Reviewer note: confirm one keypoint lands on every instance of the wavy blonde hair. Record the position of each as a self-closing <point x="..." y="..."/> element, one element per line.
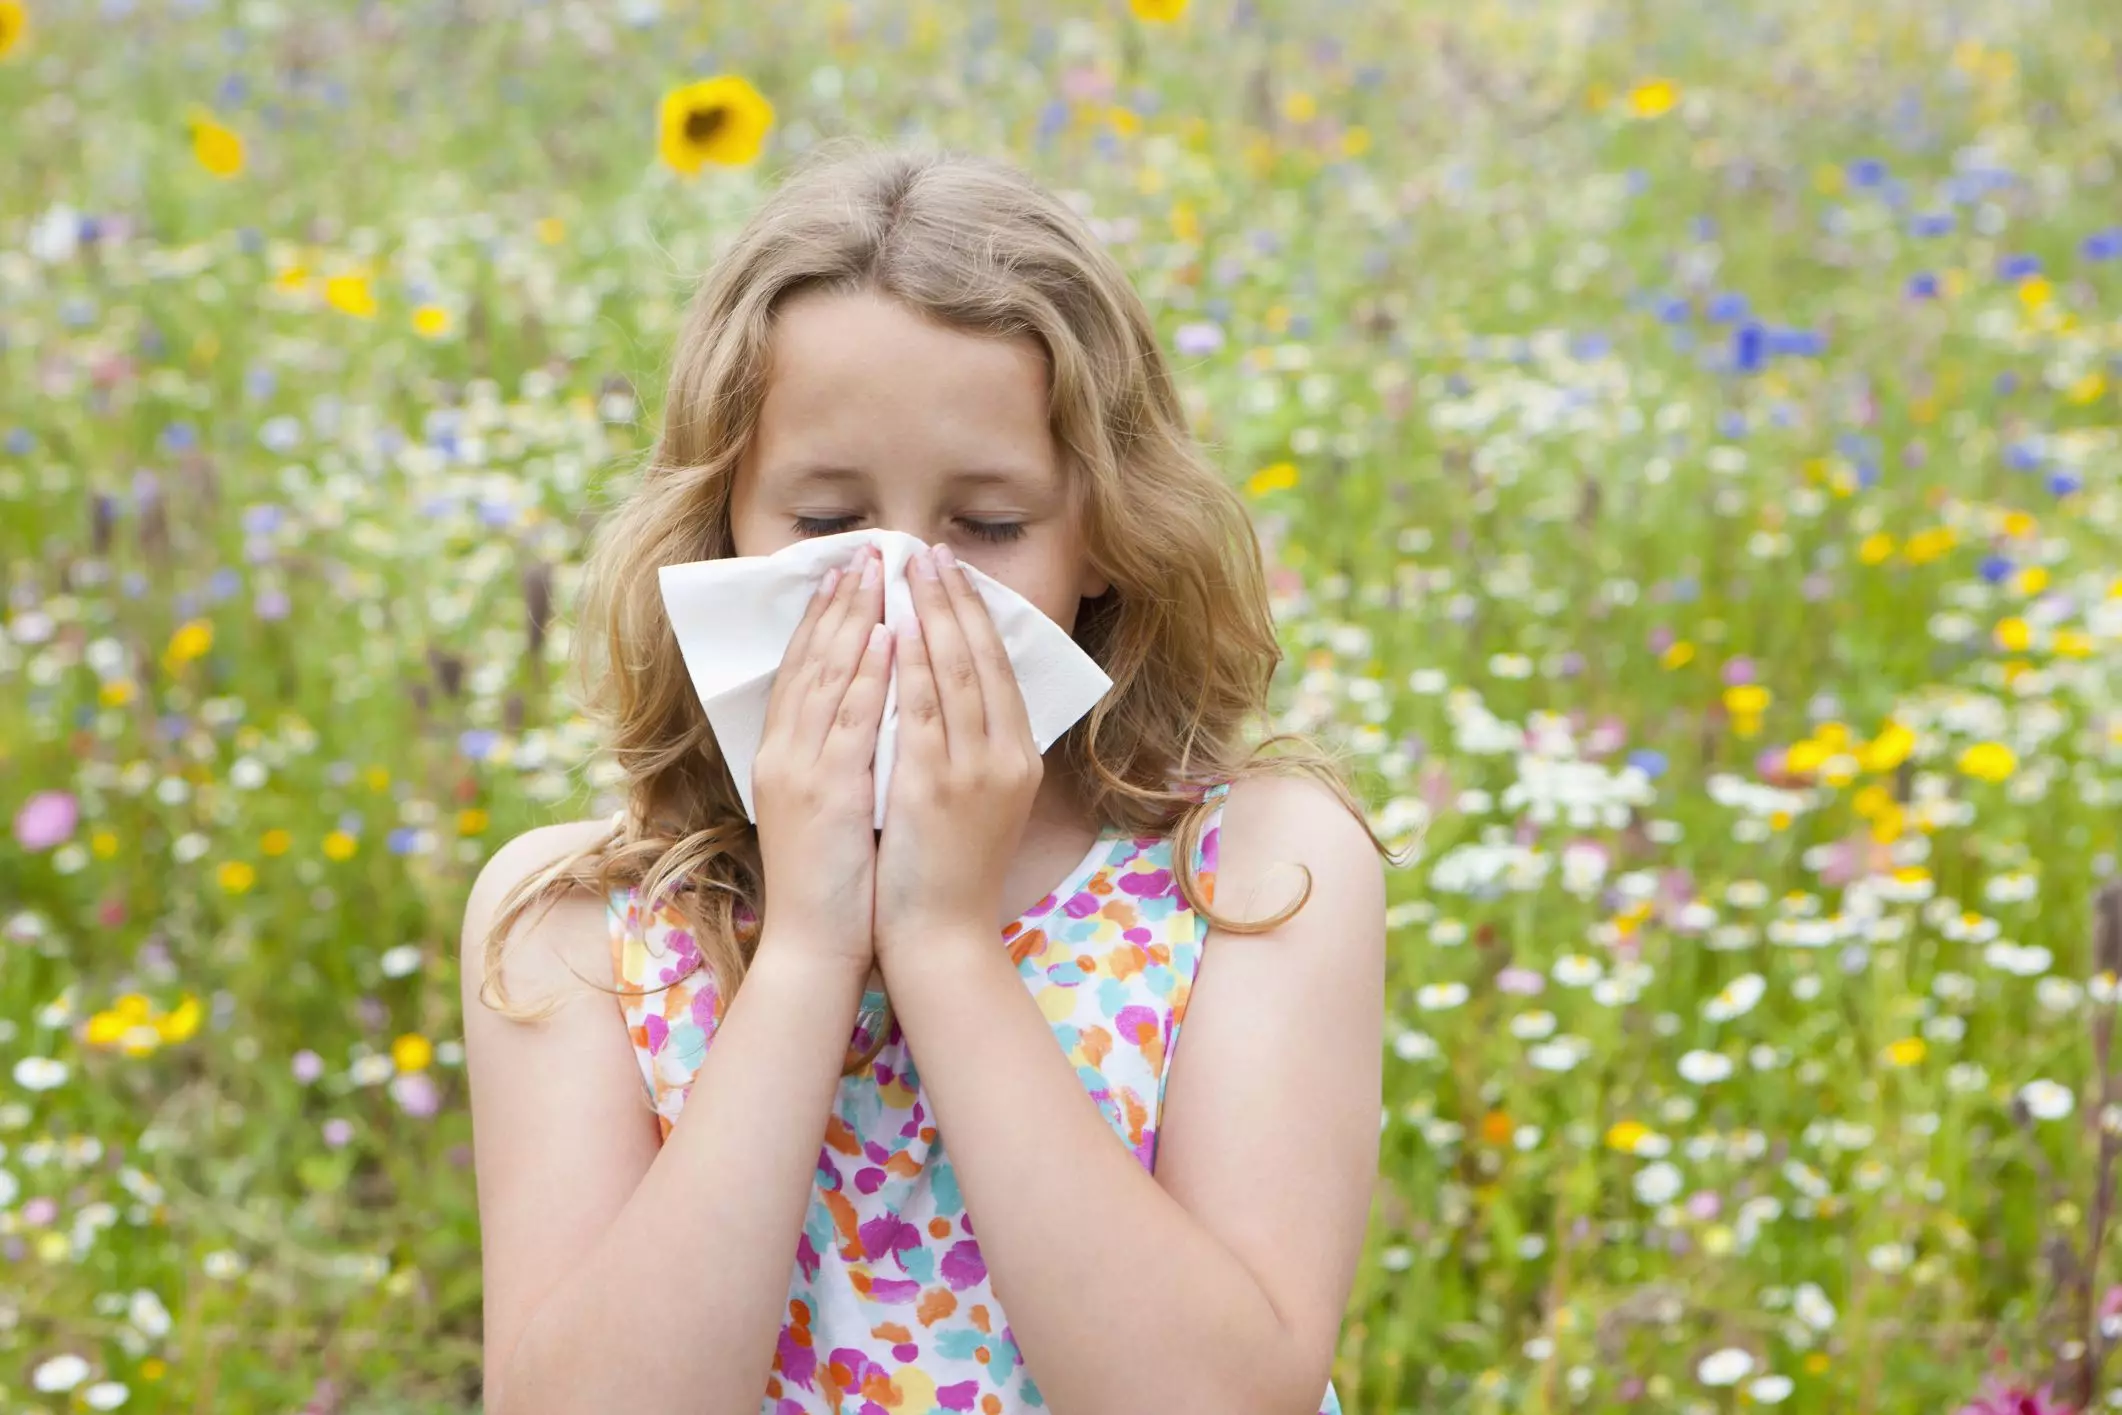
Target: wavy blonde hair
<point x="1184" y="632"/>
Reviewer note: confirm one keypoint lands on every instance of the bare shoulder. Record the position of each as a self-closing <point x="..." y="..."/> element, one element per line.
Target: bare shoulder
<point x="1275" y="829"/>
<point x="553" y="944"/>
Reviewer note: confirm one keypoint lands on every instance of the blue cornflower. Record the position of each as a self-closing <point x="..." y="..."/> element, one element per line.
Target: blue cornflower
<point x="1648" y="760"/>
<point x="1923" y="286"/>
<point x="1749" y="348"/>
<point x="1996" y="569"/>
<point x="1933" y="223"/>
<point x="1727" y="306"/>
<point x="2018" y="267"/>
<point x="1867" y="172"/>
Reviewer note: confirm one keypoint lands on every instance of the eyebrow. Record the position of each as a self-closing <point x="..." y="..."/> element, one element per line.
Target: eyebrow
<point x="834" y="473"/>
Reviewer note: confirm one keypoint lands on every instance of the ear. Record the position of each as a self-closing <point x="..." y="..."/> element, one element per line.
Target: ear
<point x="1092" y="584"/>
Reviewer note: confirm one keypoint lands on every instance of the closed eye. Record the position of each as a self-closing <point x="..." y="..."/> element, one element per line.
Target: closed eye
<point x="994" y="532"/>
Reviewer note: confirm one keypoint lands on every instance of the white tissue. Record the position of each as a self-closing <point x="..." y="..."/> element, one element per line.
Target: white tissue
<point x="734" y="618"/>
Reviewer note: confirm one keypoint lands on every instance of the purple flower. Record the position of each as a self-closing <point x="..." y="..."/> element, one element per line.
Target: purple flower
<point x="338" y="1131"/>
<point x="2003" y="1398"/>
<point x="1198" y="338"/>
<point x="415" y="1093"/>
<point x="1524" y="982"/>
<point x="308" y="1066"/>
<point x="46" y="819"/>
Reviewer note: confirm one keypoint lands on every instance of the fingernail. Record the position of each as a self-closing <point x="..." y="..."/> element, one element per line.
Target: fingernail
<point x="825" y="586"/>
<point x="869" y="572"/>
<point x="924" y="564"/>
<point x="879" y="636"/>
<point x="944" y="559"/>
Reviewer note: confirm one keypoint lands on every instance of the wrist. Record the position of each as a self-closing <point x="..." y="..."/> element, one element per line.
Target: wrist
<point x="942" y="950"/>
<point x="811" y="960"/>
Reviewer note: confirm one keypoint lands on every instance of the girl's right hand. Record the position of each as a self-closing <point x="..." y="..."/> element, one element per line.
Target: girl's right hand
<point x="812" y="786"/>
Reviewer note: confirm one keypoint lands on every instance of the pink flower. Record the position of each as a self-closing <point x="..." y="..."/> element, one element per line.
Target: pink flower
<point x="46" y="819"/>
<point x="1522" y="981"/>
<point x="2002" y="1398"/>
<point x="415" y="1093"/>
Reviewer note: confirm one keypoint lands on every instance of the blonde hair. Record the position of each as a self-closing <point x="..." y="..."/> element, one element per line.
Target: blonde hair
<point x="1184" y="632"/>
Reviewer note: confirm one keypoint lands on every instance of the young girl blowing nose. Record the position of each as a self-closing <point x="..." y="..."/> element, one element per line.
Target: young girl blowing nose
<point x="899" y="1120"/>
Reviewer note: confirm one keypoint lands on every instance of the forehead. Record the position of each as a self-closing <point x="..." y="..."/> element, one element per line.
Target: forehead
<point x="859" y="381"/>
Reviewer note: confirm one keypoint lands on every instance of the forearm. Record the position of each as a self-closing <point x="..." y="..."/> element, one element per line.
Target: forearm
<point x="708" y="1240"/>
<point x="1179" y="1323"/>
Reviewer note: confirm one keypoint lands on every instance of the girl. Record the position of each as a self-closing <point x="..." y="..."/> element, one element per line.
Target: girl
<point x="1027" y="1194"/>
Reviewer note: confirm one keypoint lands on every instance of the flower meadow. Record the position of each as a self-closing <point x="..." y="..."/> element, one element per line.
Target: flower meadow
<point x="1687" y="441"/>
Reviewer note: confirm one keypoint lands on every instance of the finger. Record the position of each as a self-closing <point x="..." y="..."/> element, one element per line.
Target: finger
<point x="1007" y="715"/>
<point x="797" y="654"/>
<point x="950" y="662"/>
<point x="923" y="735"/>
<point x="839" y="656"/>
<point x="851" y="740"/>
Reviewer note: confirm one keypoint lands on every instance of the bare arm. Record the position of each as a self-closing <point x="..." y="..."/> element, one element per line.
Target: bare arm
<point x="1220" y="1282"/>
<point x="586" y="1226"/>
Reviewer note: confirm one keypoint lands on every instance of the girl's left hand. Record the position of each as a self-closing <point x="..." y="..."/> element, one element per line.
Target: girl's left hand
<point x="967" y="769"/>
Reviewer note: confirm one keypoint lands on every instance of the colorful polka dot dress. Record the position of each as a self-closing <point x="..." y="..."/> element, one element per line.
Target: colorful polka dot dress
<point x="890" y="1311"/>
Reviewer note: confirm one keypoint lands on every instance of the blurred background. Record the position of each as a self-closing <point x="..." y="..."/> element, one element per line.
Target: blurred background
<point x="1686" y="441"/>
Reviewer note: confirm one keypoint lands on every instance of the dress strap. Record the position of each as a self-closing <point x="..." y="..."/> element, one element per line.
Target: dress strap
<point x="1206" y="845"/>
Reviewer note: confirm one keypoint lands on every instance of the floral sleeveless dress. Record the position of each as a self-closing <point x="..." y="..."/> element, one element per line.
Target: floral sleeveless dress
<point x="890" y="1308"/>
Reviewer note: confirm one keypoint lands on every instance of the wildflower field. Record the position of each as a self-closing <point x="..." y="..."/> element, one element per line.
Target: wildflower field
<point x="1688" y="443"/>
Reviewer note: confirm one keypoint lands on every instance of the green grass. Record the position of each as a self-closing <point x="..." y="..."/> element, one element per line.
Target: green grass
<point x="1541" y="543"/>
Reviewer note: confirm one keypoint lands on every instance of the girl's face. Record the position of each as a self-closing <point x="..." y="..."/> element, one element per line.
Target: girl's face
<point x="876" y="418"/>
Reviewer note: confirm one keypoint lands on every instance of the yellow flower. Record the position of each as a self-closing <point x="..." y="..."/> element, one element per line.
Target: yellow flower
<point x="2035" y="291"/>
<point x="275" y="842"/>
<point x="412" y="1052"/>
<point x="14" y="26"/>
<point x="182" y="1022"/>
<point x="116" y="693"/>
<point x="431" y="321"/>
<point x="105" y="1028"/>
<point x="2073" y="643"/>
<point x="219" y="148"/>
<point x="191" y="641"/>
<point x="2014" y="634"/>
<point x="1889" y="825"/>
<point x="1806" y="756"/>
<point x="2088" y="389"/>
<point x="723" y="120"/>
<point x="154" y="1368"/>
<point x="1355" y="142"/>
<point x="339" y="846"/>
<point x="350" y="294"/>
<point x="1653" y="98"/>
<point x="2031" y="581"/>
<point x="236" y="877"/>
<point x="103" y="844"/>
<point x="1876" y="549"/>
<point x="1906" y="1052"/>
<point x="1678" y="654"/>
<point x="1158" y="12"/>
<point x="378" y="778"/>
<point x="1890" y="748"/>
<point x="471" y="821"/>
<point x="551" y="230"/>
<point x="1186" y="223"/>
<point x="1300" y="107"/>
<point x="1926" y="546"/>
<point x="1125" y="121"/>
<point x="1625" y="1135"/>
<point x="1989" y="761"/>
<point x="1816" y="1362"/>
<point x="1746" y="700"/>
<point x="1281" y="476"/>
<point x="293" y="280"/>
